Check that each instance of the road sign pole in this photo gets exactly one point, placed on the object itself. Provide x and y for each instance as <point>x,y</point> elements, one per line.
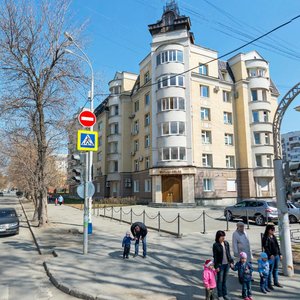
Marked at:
<point>85,209</point>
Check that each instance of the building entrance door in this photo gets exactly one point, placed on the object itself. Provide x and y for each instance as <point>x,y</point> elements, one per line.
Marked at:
<point>171,188</point>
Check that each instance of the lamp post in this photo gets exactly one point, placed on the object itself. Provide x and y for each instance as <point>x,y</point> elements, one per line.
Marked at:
<point>88,228</point>
<point>283,225</point>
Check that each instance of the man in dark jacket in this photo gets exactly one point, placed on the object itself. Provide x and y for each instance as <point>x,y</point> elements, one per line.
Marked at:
<point>139,231</point>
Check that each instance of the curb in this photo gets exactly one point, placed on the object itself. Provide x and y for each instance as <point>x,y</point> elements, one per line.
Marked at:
<point>54,280</point>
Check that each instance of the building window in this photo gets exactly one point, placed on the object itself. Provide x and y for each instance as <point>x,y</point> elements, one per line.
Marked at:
<point>100,126</point>
<point>115,166</point>
<point>136,127</point>
<point>98,187</point>
<point>207,160</point>
<point>206,137</point>
<point>116,90</point>
<point>228,139</point>
<point>136,106</point>
<point>231,185</point>
<point>170,80</point>
<point>99,156</point>
<point>113,147</point>
<point>257,138</point>
<point>255,116</point>
<point>147,99</point>
<point>148,185</point>
<point>147,141</point>
<point>207,184</point>
<point>116,110</point>
<point>173,153</point>
<point>256,72</point>
<point>229,161</point>
<point>169,56</point>
<point>172,128</point>
<point>172,103</point>
<point>147,162</point>
<point>269,160</point>
<point>136,186</point>
<point>226,96</point>
<point>227,118</point>
<point>258,159</point>
<point>136,145</point>
<point>147,119</point>
<point>136,165</point>
<point>266,116</point>
<point>203,70</point>
<point>100,140</point>
<point>254,95</point>
<point>205,114</point>
<point>146,77</point>
<point>204,91</point>
<point>267,138</point>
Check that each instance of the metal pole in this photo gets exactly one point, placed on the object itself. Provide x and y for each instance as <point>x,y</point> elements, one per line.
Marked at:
<point>158,221</point>
<point>204,229</point>
<point>104,211</point>
<point>120,214</point>
<point>247,219</point>
<point>144,217</point>
<point>85,209</point>
<point>131,216</point>
<point>178,218</point>
<point>283,224</point>
<point>227,221</point>
<point>112,212</point>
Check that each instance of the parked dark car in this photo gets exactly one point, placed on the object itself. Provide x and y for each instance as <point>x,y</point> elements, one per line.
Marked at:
<point>256,210</point>
<point>1,194</point>
<point>19,194</point>
<point>9,221</point>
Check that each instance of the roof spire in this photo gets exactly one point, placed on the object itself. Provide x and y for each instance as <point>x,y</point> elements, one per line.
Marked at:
<point>172,5</point>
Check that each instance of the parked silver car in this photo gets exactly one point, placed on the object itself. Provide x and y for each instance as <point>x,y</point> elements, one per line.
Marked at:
<point>256,210</point>
<point>294,212</point>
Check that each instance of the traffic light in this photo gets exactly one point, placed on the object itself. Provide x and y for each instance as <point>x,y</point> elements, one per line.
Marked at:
<point>78,169</point>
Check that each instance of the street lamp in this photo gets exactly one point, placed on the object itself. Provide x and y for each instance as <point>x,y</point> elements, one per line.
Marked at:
<point>283,225</point>
<point>88,228</point>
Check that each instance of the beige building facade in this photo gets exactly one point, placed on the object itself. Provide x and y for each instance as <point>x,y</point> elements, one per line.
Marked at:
<point>188,128</point>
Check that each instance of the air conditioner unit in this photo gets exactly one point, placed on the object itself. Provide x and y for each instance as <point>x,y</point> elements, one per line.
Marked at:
<point>107,184</point>
<point>216,89</point>
<point>141,158</point>
<point>131,116</point>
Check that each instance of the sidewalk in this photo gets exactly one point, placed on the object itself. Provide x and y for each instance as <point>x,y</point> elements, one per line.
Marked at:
<point>172,270</point>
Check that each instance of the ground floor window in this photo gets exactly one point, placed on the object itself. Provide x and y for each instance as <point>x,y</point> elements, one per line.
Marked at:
<point>136,186</point>
<point>148,185</point>
<point>207,184</point>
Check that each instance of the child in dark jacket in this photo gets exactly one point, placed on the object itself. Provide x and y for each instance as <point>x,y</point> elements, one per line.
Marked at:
<point>245,270</point>
<point>126,244</point>
<point>263,270</point>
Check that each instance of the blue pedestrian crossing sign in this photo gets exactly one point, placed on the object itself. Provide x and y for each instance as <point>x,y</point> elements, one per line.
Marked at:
<point>87,140</point>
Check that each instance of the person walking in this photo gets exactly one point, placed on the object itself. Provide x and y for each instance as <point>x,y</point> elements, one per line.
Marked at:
<point>222,260</point>
<point>139,232</point>
<point>60,200</point>
<point>240,242</point>
<point>271,247</point>
<point>209,280</point>
<point>245,271</point>
<point>264,270</point>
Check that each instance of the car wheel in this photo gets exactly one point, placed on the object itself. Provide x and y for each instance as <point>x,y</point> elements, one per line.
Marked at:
<point>292,219</point>
<point>228,214</point>
<point>260,220</point>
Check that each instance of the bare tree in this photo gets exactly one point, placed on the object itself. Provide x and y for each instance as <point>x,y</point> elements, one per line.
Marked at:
<point>37,78</point>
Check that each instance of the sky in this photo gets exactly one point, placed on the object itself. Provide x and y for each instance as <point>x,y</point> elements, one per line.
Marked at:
<point>118,36</point>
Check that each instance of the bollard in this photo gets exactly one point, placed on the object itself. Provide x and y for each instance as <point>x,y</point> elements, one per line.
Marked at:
<point>158,221</point>
<point>247,218</point>
<point>112,212</point>
<point>131,216</point>
<point>227,221</point>
<point>204,229</point>
<point>120,214</point>
<point>178,218</point>
<point>104,210</point>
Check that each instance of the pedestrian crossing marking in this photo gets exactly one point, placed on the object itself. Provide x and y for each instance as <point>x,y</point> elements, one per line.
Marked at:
<point>87,140</point>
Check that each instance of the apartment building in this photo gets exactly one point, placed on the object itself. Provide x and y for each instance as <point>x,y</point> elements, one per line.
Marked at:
<point>290,143</point>
<point>189,127</point>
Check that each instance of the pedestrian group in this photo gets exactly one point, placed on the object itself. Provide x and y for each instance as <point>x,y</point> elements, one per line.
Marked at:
<point>216,270</point>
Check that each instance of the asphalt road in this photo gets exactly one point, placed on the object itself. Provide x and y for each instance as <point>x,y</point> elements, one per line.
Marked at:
<point>22,275</point>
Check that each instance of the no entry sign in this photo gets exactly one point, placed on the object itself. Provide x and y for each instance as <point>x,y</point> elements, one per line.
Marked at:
<point>87,118</point>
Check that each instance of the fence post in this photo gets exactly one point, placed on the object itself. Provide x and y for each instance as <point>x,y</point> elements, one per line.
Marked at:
<point>98,208</point>
<point>112,212</point>
<point>121,214</point>
<point>178,218</point>
<point>204,228</point>
<point>158,221</point>
<point>227,221</point>
<point>267,217</point>
<point>104,210</point>
<point>247,219</point>
<point>144,217</point>
<point>131,216</point>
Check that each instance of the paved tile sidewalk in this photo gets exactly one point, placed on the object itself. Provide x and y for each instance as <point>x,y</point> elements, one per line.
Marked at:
<point>172,270</point>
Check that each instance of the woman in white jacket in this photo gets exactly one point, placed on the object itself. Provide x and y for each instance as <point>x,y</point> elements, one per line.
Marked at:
<point>240,242</point>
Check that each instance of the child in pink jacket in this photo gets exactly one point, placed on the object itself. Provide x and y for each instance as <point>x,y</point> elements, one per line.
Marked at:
<point>209,280</point>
